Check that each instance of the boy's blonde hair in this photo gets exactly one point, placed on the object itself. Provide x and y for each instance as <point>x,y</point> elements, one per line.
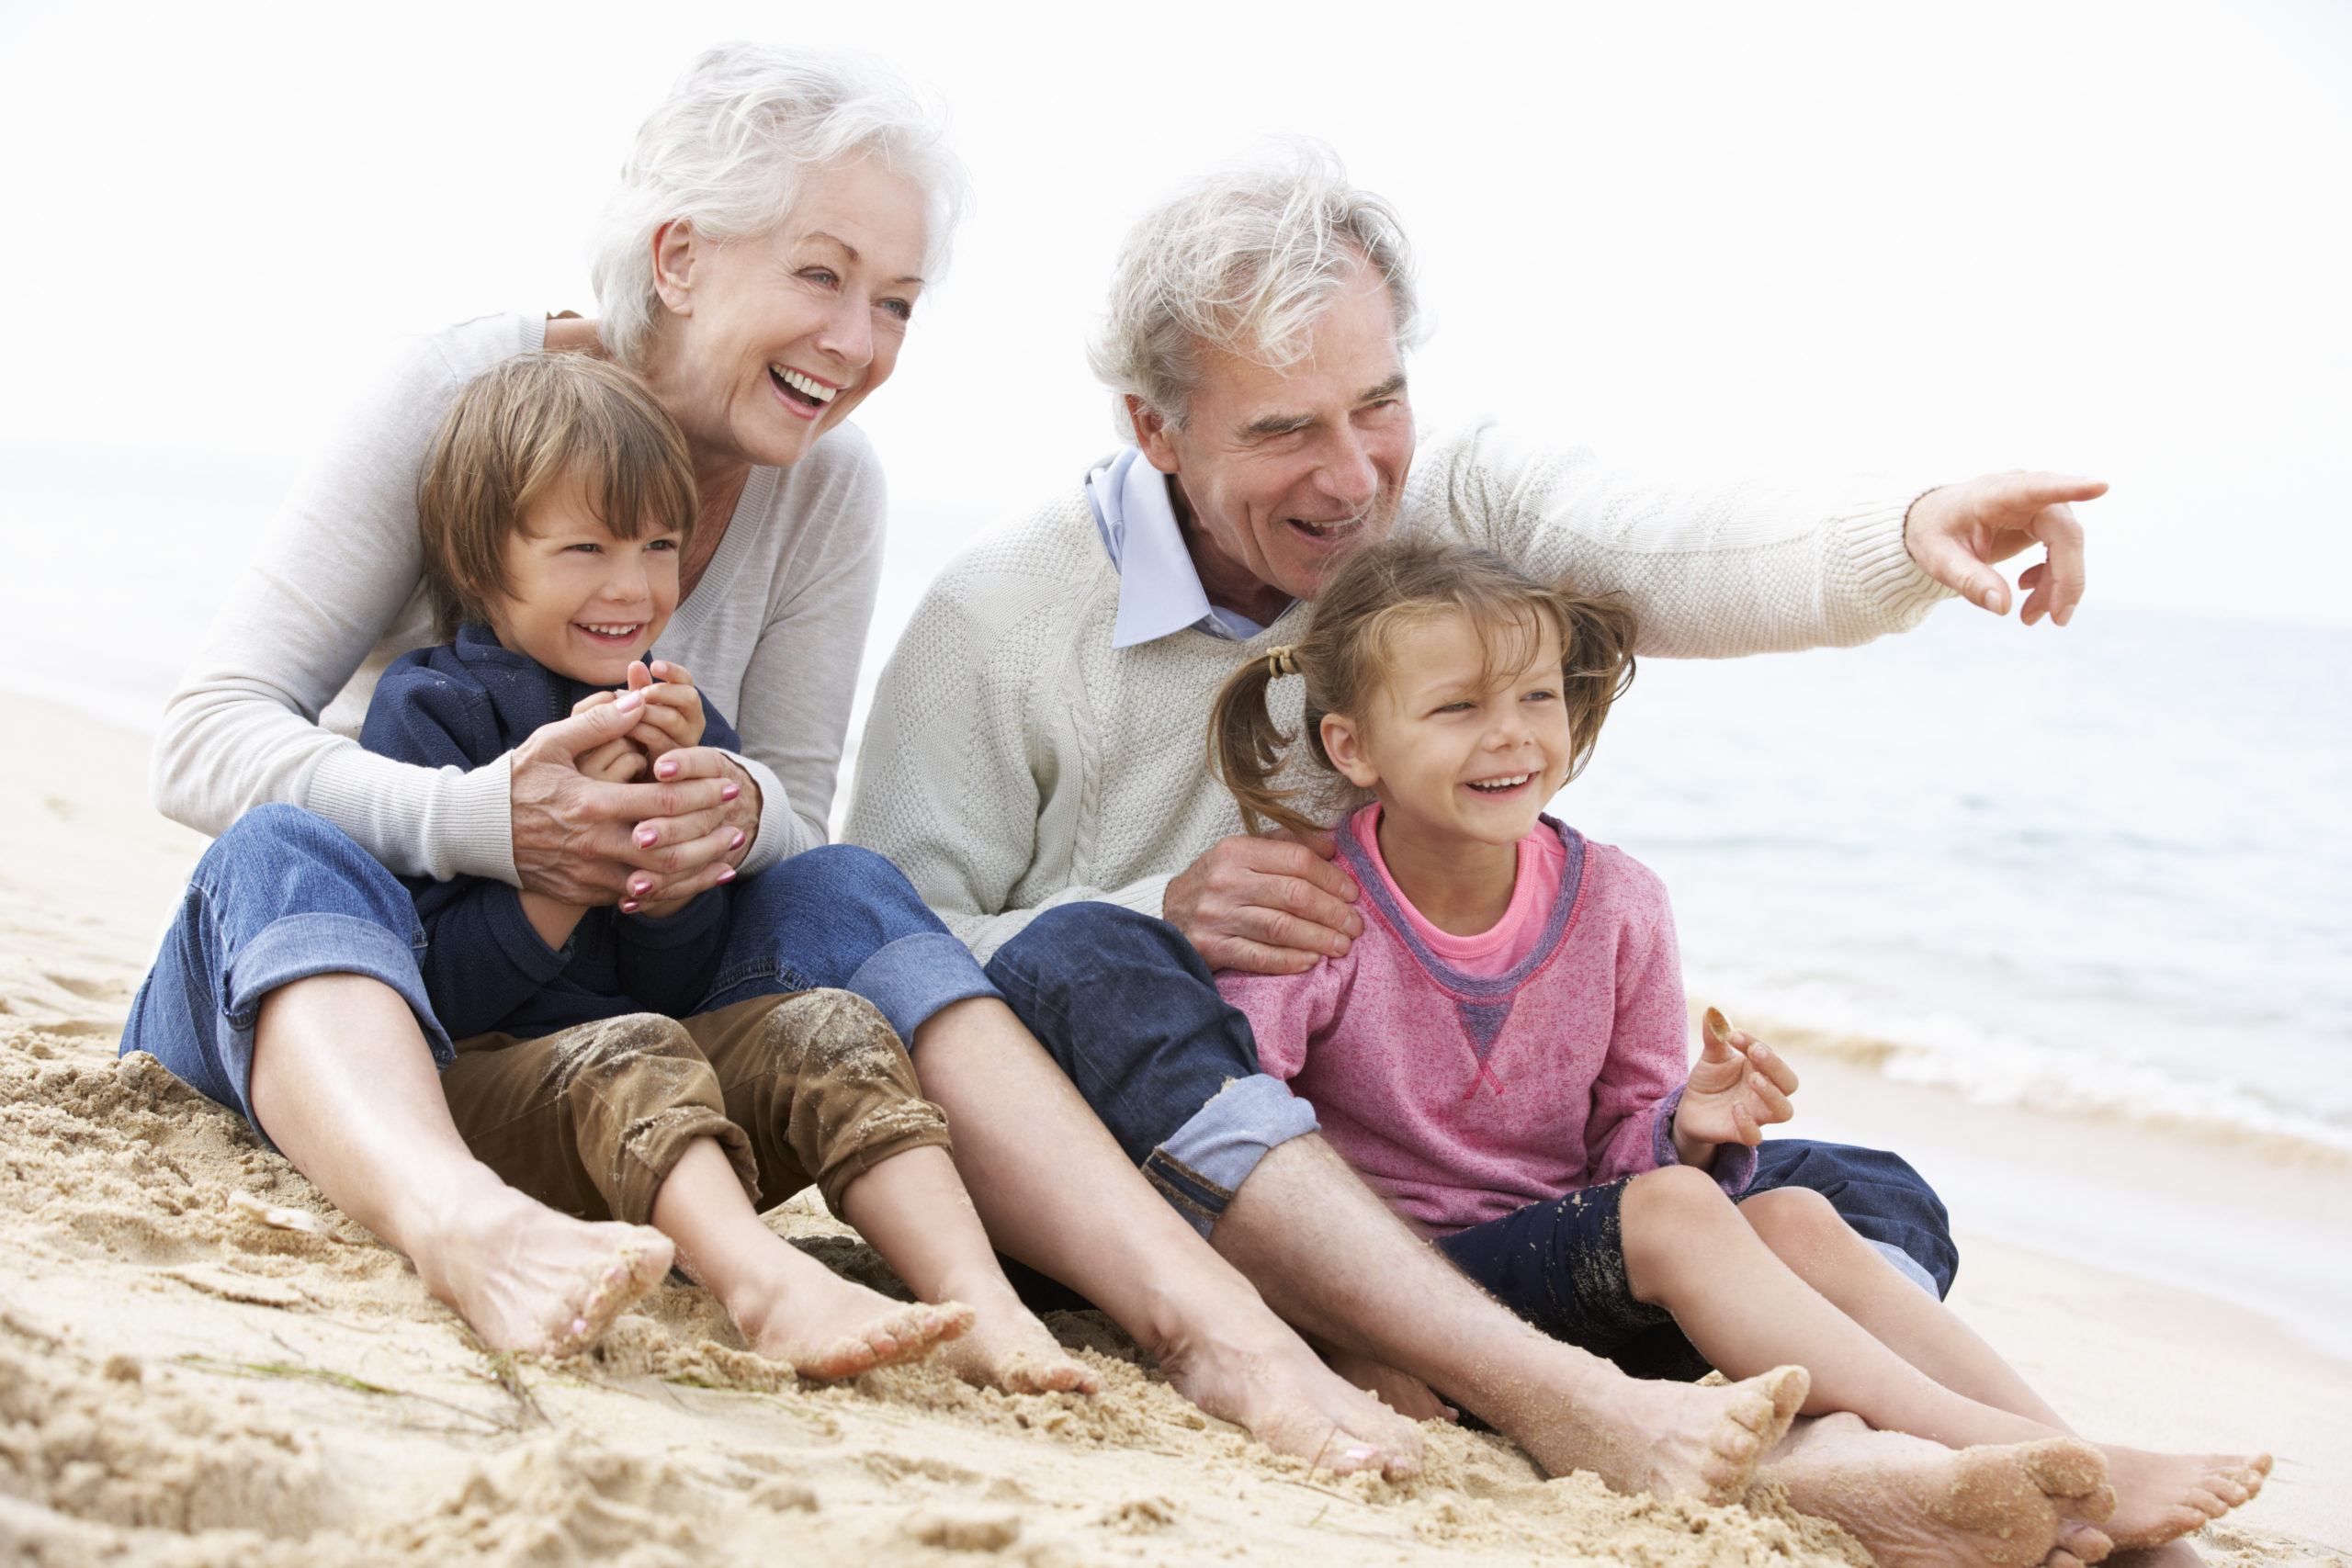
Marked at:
<point>1345,655</point>
<point>522,428</point>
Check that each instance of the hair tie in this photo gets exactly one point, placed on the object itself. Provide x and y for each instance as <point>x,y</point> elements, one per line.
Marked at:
<point>1283,661</point>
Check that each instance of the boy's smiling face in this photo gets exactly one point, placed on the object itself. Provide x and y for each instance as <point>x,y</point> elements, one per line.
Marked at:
<point>582,600</point>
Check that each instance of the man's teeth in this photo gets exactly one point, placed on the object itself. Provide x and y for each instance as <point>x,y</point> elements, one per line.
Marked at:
<point>815,391</point>
<point>1512,782</point>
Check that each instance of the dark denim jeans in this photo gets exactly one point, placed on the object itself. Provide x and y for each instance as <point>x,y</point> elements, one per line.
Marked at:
<point>284,894</point>
<point>1127,1007</point>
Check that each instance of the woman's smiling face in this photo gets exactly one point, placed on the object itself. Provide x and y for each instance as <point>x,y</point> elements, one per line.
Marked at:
<point>770,342</point>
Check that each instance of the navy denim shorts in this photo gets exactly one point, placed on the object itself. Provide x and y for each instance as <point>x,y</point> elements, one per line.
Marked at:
<point>1560,1264</point>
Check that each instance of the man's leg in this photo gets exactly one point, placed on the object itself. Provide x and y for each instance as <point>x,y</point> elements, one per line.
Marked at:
<point>287,988</point>
<point>1051,1186</point>
<point>1125,1005</point>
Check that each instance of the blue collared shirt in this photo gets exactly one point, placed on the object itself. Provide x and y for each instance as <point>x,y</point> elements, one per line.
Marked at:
<point>1159,588</point>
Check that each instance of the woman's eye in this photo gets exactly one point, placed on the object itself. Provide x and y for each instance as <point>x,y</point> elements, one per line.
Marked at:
<point>824,278</point>
<point>902,309</point>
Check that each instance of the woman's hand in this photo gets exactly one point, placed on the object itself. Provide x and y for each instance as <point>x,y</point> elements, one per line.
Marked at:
<point>687,853</point>
<point>1737,1088</point>
<point>583,841</point>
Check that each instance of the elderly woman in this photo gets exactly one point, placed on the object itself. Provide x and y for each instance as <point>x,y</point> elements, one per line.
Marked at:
<point>758,269</point>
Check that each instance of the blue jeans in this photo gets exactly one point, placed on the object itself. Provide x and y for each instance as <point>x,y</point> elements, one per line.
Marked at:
<point>1124,1003</point>
<point>285,895</point>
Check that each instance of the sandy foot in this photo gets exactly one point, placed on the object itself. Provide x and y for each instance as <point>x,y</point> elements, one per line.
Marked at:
<point>526,1277</point>
<point>1007,1347</point>
<point>1401,1391</point>
<point>1286,1397</point>
<point>2161,1497</point>
<point>1671,1439</point>
<point>1915,1504</point>
<point>829,1327</point>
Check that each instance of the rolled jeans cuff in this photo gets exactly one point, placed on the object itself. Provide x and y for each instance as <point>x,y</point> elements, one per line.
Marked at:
<point>914,976</point>
<point>1204,1164</point>
<point>297,947</point>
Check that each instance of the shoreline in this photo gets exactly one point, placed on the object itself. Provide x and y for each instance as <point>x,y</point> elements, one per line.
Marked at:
<point>138,1284</point>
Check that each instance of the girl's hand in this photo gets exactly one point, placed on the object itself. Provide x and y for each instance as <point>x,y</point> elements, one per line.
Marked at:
<point>1737,1088</point>
<point>673,716</point>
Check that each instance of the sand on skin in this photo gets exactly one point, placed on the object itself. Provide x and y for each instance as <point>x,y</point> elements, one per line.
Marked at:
<point>182,1380</point>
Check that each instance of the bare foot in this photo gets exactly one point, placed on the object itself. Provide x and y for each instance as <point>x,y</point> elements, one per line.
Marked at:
<point>526,1277</point>
<point>1401,1391</point>
<point>1259,1375</point>
<point>1007,1347</point>
<point>2161,1497</point>
<point>1671,1439</point>
<point>1915,1504</point>
<point>827,1326</point>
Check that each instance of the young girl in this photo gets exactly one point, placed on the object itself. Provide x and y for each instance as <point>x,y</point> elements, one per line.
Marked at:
<point>604,1064</point>
<point>1503,1054</point>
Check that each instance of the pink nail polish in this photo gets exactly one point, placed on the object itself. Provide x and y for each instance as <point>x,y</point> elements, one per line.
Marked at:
<point>628,906</point>
<point>728,791</point>
<point>736,842</point>
<point>641,888</point>
<point>645,836</point>
<point>726,873</point>
<point>666,768</point>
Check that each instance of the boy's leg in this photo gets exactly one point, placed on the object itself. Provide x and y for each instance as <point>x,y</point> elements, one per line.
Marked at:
<point>829,1096</point>
<point>625,1117</point>
<point>287,988</point>
<point>1878,1194</point>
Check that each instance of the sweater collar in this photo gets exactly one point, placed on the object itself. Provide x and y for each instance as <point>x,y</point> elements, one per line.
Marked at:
<point>1159,588</point>
<point>523,692</point>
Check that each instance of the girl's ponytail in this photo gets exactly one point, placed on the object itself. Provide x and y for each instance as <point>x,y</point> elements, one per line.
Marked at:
<point>1246,746</point>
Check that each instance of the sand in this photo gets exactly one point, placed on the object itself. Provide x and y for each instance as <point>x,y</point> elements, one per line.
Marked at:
<point>200,1362</point>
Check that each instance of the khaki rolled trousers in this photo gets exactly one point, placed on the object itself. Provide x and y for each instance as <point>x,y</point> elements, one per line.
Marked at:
<point>809,1088</point>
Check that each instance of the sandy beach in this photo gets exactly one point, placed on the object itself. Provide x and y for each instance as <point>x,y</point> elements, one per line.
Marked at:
<point>200,1362</point>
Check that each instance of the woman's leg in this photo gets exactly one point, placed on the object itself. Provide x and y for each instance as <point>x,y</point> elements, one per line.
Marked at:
<point>2160,1496</point>
<point>624,1119</point>
<point>287,988</point>
<point>1689,1249</point>
<point>1049,1182</point>
<point>827,1094</point>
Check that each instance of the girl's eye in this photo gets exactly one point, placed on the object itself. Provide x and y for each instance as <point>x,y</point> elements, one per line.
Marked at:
<point>1542,696</point>
<point>585,547</point>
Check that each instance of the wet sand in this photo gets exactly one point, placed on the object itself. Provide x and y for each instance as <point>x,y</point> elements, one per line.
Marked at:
<point>184,1381</point>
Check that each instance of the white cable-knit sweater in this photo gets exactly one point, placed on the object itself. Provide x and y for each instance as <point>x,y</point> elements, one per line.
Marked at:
<point>1015,760</point>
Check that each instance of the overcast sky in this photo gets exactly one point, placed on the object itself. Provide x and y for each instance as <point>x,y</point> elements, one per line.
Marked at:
<point>1908,240</point>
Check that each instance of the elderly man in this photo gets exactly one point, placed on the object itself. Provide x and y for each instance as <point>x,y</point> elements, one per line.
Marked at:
<point>1034,760</point>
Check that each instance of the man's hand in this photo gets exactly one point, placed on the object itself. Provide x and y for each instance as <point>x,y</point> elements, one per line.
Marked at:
<point>674,716</point>
<point>584,841</point>
<point>1736,1089</point>
<point>1270,905</point>
<point>1958,532</point>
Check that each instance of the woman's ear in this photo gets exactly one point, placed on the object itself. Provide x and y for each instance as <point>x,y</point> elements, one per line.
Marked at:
<point>1343,743</point>
<point>674,266</point>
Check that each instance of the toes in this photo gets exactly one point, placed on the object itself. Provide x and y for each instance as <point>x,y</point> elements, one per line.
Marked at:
<point>2085,1544</point>
<point>1788,1386</point>
<point>2062,1467</point>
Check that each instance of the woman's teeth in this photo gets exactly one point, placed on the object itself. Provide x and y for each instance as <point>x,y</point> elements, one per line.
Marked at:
<point>1340,529</point>
<point>1493,784</point>
<point>816,391</point>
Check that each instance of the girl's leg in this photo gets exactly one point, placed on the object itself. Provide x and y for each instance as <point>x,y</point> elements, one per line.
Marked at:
<point>287,988</point>
<point>1689,1249</point>
<point>623,1118</point>
<point>2154,1489</point>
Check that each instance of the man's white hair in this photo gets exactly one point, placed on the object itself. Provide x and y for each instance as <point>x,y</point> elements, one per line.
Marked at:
<point>727,153</point>
<point>1244,261</point>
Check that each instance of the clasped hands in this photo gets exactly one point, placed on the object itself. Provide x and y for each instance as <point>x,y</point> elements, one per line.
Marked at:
<point>621,804</point>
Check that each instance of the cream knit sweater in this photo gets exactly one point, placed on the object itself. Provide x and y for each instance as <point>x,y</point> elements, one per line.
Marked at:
<point>1015,760</point>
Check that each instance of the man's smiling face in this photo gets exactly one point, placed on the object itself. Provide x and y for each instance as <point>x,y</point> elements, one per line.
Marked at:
<point>1280,473</point>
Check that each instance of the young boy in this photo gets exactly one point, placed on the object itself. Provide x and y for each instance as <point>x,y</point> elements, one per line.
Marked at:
<point>601,1068</point>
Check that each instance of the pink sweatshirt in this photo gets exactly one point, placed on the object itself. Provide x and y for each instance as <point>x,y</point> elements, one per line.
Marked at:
<point>1462,1098</point>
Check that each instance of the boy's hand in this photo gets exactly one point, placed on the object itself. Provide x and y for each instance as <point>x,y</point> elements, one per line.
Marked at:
<point>619,761</point>
<point>1737,1088</point>
<point>674,717</point>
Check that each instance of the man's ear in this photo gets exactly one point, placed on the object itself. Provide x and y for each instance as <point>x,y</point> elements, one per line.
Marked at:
<point>1152,435</point>
<point>675,244</point>
<point>1343,743</point>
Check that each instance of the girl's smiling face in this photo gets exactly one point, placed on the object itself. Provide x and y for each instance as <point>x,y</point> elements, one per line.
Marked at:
<point>1468,737</point>
<point>580,600</point>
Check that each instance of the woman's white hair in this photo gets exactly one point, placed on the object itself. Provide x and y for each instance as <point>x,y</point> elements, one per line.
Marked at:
<point>1244,261</point>
<point>728,148</point>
